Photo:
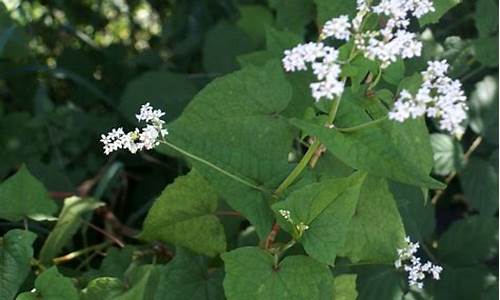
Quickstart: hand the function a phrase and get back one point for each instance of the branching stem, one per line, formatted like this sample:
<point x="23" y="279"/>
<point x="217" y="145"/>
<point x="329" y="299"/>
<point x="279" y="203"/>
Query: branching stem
<point x="362" y="126"/>
<point x="453" y="174"/>
<point x="309" y="154"/>
<point x="78" y="253"/>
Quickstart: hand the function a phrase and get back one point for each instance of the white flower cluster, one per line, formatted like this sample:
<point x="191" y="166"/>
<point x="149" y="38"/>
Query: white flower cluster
<point x="392" y="41"/>
<point x="323" y="60"/>
<point x="286" y="215"/>
<point x="300" y="227"/>
<point x="338" y="28"/>
<point x="386" y="45"/>
<point x="411" y="264"/>
<point x="137" y="140"/>
<point x="389" y="43"/>
<point x="439" y="97"/>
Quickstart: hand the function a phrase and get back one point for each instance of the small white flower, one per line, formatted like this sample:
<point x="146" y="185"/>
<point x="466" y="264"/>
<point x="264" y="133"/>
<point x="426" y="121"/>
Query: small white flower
<point x="386" y="45"/>
<point x="397" y="263"/>
<point x="393" y="41"/>
<point x="409" y="262"/>
<point x="435" y="70"/>
<point x="436" y="271"/>
<point x="423" y="7"/>
<point x="139" y="139"/>
<point x="439" y="97"/>
<point x="285" y="214"/>
<point x="337" y="27"/>
<point x="323" y="61"/>
<point x="149" y="137"/>
<point x="301" y="227"/>
<point x="150" y="115"/>
<point x="113" y="140"/>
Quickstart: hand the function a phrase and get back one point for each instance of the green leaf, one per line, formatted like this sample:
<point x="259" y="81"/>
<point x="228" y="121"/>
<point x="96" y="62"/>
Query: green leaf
<point x="462" y="283"/>
<point x="394" y="73"/>
<point x="399" y="151"/>
<point x="327" y="208"/>
<point x="479" y="182"/>
<point x="293" y="15"/>
<point x="18" y="141"/>
<point x="376" y="229"/>
<point x="27" y="296"/>
<point x="184" y="215"/>
<point x="277" y="41"/>
<point x="253" y="20"/>
<point x="187" y="277"/>
<point x="417" y="214"/>
<point x="327" y="9"/>
<point x="358" y="69"/>
<point x="344" y="287"/>
<point x="255" y="142"/>
<point x="250" y="274"/>
<point x="68" y="222"/>
<point x="116" y="262"/>
<point x="483" y="109"/>
<point x="448" y="154"/>
<point x="441" y="7"/>
<point x="257" y="58"/>
<point x="103" y="288"/>
<point x="5" y="36"/>
<point x="487" y="50"/>
<point x="223" y="43"/>
<point x="469" y="241"/>
<point x="51" y="285"/>
<point x="15" y="261"/>
<point x="486" y="17"/>
<point x="13" y="39"/>
<point x="165" y="90"/>
<point x="379" y="282"/>
<point x="22" y="195"/>
<point x="143" y="282"/>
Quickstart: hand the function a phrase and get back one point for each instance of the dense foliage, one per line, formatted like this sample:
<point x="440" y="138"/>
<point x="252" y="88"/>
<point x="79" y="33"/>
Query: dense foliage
<point x="249" y="195"/>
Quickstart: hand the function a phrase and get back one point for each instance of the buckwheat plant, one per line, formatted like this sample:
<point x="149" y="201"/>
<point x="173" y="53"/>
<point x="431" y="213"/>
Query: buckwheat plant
<point x="139" y="139"/>
<point x="238" y="132"/>
<point x="439" y="97"/>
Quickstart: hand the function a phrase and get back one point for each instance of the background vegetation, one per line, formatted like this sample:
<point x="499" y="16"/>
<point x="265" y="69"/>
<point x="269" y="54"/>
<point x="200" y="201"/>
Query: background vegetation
<point x="71" y="70"/>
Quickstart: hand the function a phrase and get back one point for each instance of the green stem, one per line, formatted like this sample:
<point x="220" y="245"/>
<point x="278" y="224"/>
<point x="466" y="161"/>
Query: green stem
<point x="309" y="154"/>
<point x="298" y="168"/>
<point x="75" y="254"/>
<point x="277" y="253"/>
<point x="362" y="126"/>
<point x="213" y="166"/>
<point x="25" y="223"/>
<point x="288" y="245"/>
<point x="377" y="79"/>
<point x="365" y="264"/>
<point x="35" y="262"/>
<point x="333" y="111"/>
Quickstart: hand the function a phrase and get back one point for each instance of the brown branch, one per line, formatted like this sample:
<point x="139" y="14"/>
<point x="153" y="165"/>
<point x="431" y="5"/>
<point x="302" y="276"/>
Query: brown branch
<point x="117" y="226"/>
<point x="453" y="174"/>
<point x="317" y="155"/>
<point x="60" y="195"/>
<point x="105" y="233"/>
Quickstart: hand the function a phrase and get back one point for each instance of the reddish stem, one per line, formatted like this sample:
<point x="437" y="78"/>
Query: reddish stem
<point x="272" y="235"/>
